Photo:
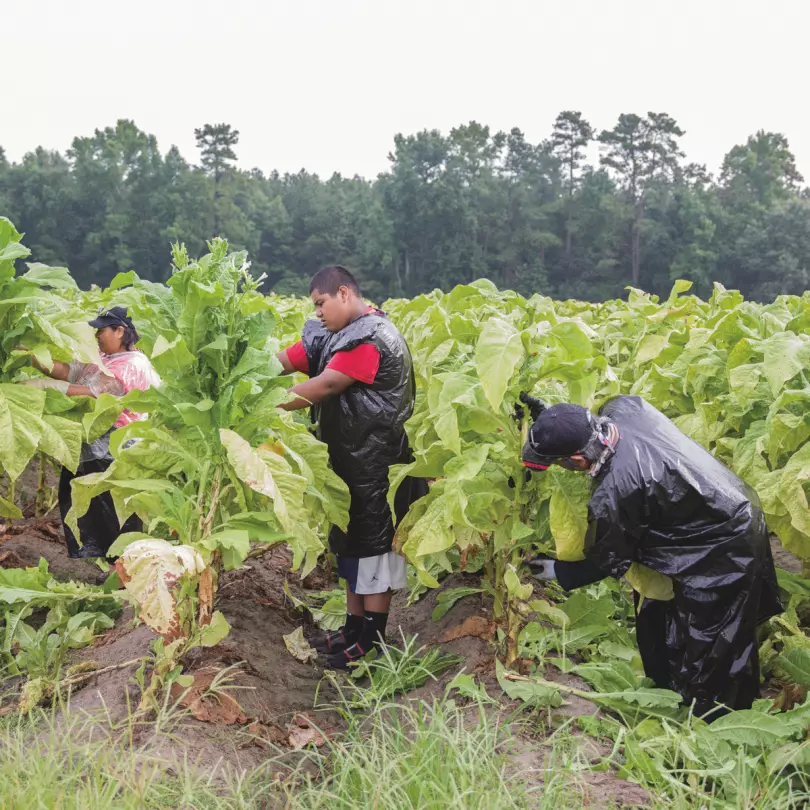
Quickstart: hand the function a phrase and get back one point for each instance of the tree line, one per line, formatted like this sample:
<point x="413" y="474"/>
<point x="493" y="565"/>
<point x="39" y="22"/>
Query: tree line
<point x="450" y="208"/>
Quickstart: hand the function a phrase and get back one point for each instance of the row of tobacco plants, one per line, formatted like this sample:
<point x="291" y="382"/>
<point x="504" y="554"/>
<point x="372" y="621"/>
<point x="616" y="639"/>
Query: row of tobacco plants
<point x="215" y="471"/>
<point x="218" y="469"/>
<point x="733" y="376"/>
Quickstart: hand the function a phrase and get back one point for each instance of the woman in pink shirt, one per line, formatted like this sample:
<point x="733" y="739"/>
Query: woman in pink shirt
<point x="124" y="369"/>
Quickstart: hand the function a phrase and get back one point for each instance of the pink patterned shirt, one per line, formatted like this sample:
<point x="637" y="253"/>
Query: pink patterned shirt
<point x="129" y="370"/>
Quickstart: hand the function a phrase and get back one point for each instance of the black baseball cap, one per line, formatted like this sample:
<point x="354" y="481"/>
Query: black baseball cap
<point x="560" y="431"/>
<point x="115" y="316"/>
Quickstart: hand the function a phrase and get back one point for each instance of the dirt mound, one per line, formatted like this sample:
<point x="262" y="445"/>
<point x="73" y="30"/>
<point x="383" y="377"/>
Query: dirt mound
<point x="24" y="542"/>
<point x="265" y="688"/>
<point x="273" y="690"/>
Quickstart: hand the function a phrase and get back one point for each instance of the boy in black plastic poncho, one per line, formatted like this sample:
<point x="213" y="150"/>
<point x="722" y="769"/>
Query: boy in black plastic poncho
<point x="662" y="500"/>
<point x="361" y="391"/>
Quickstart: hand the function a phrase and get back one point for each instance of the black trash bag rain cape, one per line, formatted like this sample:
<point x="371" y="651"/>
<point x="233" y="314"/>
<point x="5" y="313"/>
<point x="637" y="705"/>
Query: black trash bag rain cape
<point x="664" y="501"/>
<point x="364" y="430"/>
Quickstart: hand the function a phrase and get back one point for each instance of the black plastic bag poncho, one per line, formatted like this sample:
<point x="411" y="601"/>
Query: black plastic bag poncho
<point x="364" y="430"/>
<point x="666" y="502"/>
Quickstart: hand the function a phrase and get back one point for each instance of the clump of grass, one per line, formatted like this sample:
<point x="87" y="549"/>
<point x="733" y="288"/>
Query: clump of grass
<point x="76" y="763"/>
<point x="395" y="671"/>
<point x="427" y="756"/>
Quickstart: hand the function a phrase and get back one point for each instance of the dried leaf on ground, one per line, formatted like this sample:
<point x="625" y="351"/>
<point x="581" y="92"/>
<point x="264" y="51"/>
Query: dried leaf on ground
<point x="265" y="736"/>
<point x="476" y="626"/>
<point x="220" y="708"/>
<point x="302" y="732"/>
<point x="299" y="647"/>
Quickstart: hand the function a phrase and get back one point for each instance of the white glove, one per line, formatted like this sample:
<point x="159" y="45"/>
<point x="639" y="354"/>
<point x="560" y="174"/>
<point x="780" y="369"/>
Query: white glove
<point x="543" y="569"/>
<point x="47" y="382"/>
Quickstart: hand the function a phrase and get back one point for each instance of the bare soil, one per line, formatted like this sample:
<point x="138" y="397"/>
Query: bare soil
<point x="782" y="558"/>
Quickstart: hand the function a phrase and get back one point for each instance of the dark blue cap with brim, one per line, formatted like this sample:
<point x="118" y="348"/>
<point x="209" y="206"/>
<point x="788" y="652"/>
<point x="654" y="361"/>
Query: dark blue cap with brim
<point x="115" y="316"/>
<point x="560" y="431"/>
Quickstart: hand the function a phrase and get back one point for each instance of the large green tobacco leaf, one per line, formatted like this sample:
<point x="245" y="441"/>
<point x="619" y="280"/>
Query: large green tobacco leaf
<point x="568" y="515"/>
<point x="57" y="278"/>
<point x="312" y="459"/>
<point x="251" y="469"/>
<point x="754" y="729"/>
<point x="785" y="356"/>
<point x="526" y="689"/>
<point x="36" y="587"/>
<point x="431" y="534"/>
<point x="609" y="676"/>
<point x="20" y="426"/>
<point x="796" y="664"/>
<point x="11" y="249"/>
<point x="497" y="353"/>
<point x="650" y="584"/>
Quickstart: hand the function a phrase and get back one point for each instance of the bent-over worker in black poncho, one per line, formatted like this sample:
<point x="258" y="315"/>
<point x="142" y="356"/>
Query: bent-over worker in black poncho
<point x="361" y="391"/>
<point x="662" y="500"/>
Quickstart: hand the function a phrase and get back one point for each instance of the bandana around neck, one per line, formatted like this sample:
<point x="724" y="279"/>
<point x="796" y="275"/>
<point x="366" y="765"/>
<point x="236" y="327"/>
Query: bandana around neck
<point x="609" y="437"/>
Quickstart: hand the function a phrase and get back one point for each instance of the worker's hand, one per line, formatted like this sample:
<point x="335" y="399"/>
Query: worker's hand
<point x="45" y="382"/>
<point x="542" y="568"/>
<point x="536" y="406"/>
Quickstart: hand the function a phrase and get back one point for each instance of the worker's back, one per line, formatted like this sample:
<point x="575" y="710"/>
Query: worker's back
<point x="678" y="506"/>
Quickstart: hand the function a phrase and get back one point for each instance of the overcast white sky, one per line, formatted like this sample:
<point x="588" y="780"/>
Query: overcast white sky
<point x="325" y="84"/>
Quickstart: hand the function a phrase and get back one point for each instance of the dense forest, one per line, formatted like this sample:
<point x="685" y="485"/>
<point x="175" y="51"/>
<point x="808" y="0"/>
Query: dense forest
<point x="451" y="208"/>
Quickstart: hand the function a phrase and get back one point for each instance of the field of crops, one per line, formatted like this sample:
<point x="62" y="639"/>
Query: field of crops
<point x="222" y="478"/>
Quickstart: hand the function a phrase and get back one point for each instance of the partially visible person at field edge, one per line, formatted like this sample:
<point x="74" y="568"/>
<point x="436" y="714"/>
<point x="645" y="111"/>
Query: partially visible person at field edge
<point x="662" y="500"/>
<point x="125" y="368"/>
<point x="361" y="392"/>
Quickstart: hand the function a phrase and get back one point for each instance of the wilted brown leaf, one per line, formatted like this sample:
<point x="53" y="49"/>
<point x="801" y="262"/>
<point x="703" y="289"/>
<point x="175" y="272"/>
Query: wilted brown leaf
<point x="302" y="731"/>
<point x="220" y="708"/>
<point x="265" y="736"/>
<point x="476" y="626"/>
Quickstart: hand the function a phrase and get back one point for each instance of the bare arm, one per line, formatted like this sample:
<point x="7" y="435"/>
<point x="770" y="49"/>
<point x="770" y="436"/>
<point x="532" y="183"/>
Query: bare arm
<point x="79" y="391"/>
<point x="59" y="372"/>
<point x="285" y="362"/>
<point x="327" y="384"/>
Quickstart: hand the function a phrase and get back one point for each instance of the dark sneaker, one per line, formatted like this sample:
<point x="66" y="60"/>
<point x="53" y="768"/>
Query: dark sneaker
<point x="348" y="656"/>
<point x="331" y="642"/>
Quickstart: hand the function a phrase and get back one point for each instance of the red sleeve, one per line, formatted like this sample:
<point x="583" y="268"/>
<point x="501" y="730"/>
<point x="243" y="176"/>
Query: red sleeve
<point x="297" y="355"/>
<point x="361" y="363"/>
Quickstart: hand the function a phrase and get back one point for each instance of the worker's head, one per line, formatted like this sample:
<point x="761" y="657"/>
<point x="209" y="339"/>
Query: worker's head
<point x="115" y="331"/>
<point x="562" y="434"/>
<point x="337" y="297"/>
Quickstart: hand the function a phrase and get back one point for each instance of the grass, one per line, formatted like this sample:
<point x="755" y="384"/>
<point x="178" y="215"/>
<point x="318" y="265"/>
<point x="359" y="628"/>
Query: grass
<point x="463" y="754"/>
<point x="430" y="756"/>
<point x="396" y="756"/>
<point x="68" y="762"/>
<point x="395" y="671"/>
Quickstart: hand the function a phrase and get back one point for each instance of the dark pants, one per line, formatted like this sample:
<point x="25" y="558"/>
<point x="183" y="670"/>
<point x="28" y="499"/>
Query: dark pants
<point x="99" y="528"/>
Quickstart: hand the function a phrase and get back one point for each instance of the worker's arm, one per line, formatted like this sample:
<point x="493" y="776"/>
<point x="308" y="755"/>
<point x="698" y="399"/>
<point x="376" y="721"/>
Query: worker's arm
<point x="284" y="359"/>
<point x="79" y="391"/>
<point x="60" y="385"/>
<point x="328" y="383"/>
<point x="59" y="371"/>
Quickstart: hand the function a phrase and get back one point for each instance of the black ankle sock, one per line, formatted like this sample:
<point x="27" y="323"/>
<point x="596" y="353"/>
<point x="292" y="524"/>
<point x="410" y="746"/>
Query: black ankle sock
<point x="374" y="627"/>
